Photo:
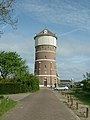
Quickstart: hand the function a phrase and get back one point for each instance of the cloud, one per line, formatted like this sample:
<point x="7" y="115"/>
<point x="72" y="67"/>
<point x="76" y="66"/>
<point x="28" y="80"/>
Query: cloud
<point x="76" y="13"/>
<point x="73" y="47"/>
<point x="73" y="57"/>
<point x="73" y="67"/>
<point x="66" y="33"/>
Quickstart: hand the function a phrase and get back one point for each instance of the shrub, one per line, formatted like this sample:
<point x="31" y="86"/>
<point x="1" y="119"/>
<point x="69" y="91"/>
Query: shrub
<point x="26" y="85"/>
<point x="12" y="88"/>
<point x="86" y="85"/>
<point x="34" y="83"/>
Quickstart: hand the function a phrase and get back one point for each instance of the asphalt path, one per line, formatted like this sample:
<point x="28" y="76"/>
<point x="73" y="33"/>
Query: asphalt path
<point x="41" y="105"/>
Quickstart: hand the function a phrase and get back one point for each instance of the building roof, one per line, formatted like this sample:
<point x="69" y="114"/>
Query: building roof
<point x="45" y="32"/>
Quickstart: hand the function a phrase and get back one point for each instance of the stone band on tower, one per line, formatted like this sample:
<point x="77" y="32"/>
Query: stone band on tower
<point x="45" y="58"/>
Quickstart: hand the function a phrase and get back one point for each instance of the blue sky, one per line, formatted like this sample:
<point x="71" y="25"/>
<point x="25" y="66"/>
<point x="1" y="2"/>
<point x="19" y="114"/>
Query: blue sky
<point x="69" y="19"/>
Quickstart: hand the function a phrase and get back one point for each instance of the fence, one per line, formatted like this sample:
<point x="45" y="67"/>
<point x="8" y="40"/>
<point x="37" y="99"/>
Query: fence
<point x="81" y="109"/>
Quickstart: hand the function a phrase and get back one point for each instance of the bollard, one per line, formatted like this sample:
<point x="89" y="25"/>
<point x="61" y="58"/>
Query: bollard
<point x="76" y="105"/>
<point x="87" y="111"/>
<point x="62" y="93"/>
<point x="68" y="99"/>
<point x="71" y="101"/>
<point x="65" y="94"/>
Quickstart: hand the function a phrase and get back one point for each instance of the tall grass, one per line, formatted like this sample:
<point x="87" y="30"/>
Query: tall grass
<point x="5" y="105"/>
<point x="83" y="96"/>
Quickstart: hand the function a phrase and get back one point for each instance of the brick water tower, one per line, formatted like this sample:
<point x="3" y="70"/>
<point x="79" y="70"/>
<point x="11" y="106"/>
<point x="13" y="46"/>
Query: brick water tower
<point x="45" y="58"/>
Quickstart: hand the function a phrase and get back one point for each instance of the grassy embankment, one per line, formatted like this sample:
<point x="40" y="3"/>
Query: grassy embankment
<point x="83" y="96"/>
<point x="6" y="105"/>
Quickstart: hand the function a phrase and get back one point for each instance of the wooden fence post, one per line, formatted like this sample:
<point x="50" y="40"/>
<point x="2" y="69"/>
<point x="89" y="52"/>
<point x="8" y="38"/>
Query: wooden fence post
<point x="87" y="111"/>
<point x="68" y="98"/>
<point x="71" y="101"/>
<point x="77" y="105"/>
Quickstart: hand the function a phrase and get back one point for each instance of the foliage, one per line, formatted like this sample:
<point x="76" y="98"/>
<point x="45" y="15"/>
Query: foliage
<point x="6" y="12"/>
<point x="12" y="88"/>
<point x="31" y="81"/>
<point x="87" y="76"/>
<point x="5" y="105"/>
<point x="14" y="75"/>
<point x="86" y="82"/>
<point x="12" y="65"/>
<point x="83" y="96"/>
<point x="86" y="85"/>
<point x="26" y="85"/>
<point x="34" y="83"/>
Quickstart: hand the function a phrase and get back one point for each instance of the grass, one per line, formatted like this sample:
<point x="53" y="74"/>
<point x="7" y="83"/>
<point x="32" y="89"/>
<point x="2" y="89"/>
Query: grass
<point x="6" y="105"/>
<point x="83" y="96"/>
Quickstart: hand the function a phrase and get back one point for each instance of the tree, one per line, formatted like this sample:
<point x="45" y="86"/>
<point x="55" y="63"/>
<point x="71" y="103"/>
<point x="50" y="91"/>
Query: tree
<point x="12" y="65"/>
<point x="6" y="12"/>
<point x="86" y="81"/>
<point x="87" y="76"/>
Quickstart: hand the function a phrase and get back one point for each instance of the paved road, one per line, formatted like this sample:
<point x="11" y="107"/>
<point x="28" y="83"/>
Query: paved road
<point x="42" y="105"/>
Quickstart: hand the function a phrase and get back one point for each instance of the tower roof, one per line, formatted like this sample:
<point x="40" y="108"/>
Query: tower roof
<point x="45" y="32"/>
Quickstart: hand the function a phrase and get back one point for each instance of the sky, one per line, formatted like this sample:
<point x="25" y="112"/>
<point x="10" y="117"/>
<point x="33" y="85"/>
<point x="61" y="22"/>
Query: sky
<point x="68" y="19"/>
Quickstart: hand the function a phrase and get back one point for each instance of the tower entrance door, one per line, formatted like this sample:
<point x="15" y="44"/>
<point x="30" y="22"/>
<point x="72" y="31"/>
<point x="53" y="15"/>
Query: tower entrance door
<point x="45" y="83"/>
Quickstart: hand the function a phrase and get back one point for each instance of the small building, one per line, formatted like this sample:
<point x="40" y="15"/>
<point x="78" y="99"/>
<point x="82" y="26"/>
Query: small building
<point x="68" y="83"/>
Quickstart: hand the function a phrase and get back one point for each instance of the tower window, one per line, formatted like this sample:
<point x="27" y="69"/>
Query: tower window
<point x="45" y="66"/>
<point x="45" y="57"/>
<point x="45" y="72"/>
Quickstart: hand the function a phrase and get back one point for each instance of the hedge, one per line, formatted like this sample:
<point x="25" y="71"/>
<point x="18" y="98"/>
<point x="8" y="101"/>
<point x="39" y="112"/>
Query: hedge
<point x="17" y="87"/>
<point x="12" y="88"/>
<point x="34" y="84"/>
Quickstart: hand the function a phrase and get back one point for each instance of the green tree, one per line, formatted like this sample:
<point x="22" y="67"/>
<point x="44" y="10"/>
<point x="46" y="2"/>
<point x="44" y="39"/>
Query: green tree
<point x="12" y="65"/>
<point x="34" y="82"/>
<point x="87" y="76"/>
<point x="86" y="81"/>
<point x="6" y="13"/>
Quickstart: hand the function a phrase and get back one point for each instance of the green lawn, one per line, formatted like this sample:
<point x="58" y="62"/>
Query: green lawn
<point x="6" y="105"/>
<point x="83" y="96"/>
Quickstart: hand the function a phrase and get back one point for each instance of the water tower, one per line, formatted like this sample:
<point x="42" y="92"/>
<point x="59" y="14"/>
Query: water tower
<point x="45" y="58"/>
